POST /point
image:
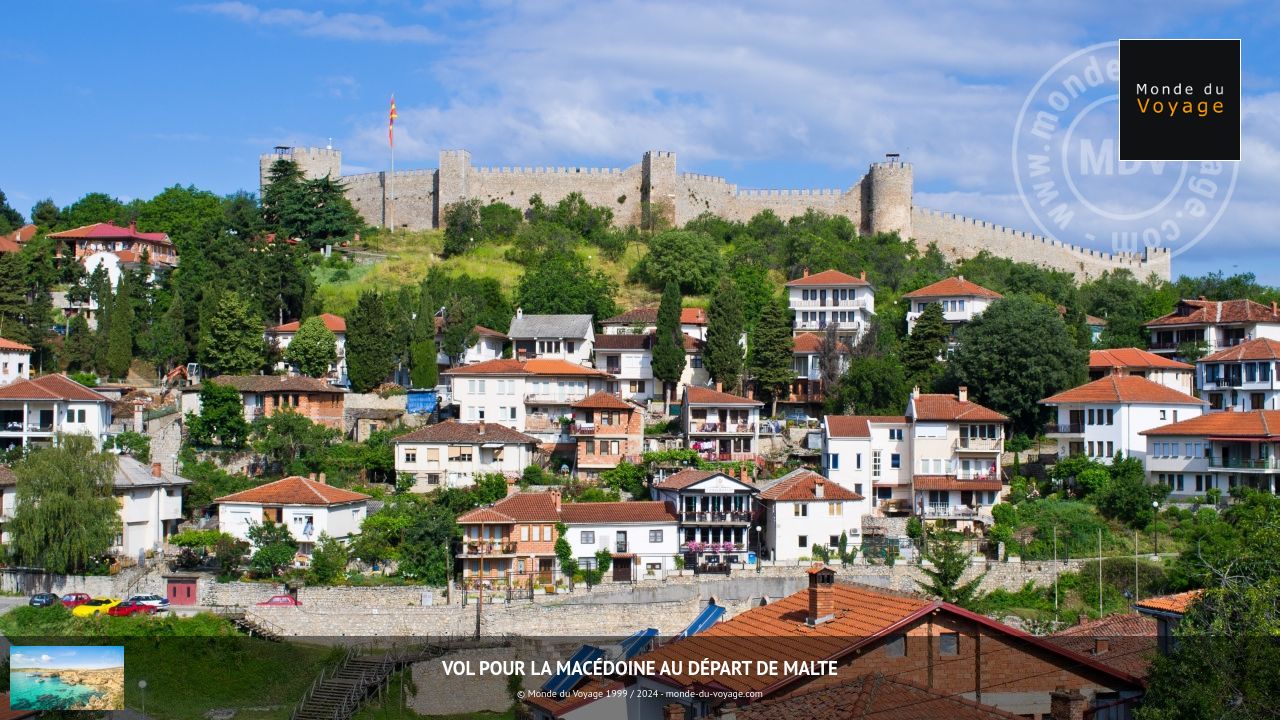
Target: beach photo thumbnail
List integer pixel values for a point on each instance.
(66, 677)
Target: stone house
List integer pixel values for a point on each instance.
(607, 431)
(264, 395)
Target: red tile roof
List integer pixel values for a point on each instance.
(452, 431)
(335, 323)
(953, 287)
(623, 341)
(859, 425)
(708, 396)
(828, 277)
(1257, 349)
(7, 245)
(536, 366)
(810, 343)
(14, 345)
(649, 316)
(951, 482)
(520, 507)
(691, 343)
(49, 387)
(294, 490)
(948, 407)
(687, 477)
(108, 230)
(276, 383)
(872, 696)
(605, 513)
(22, 234)
(602, 401)
(1251, 424)
(489, 332)
(802, 485)
(1132, 358)
(1122, 389)
(1177, 604)
(1204, 312)
(1130, 641)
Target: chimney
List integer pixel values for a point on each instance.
(751, 393)
(742, 474)
(719, 386)
(312, 477)
(960, 278)
(133, 226)
(963, 395)
(321, 479)
(1066, 704)
(806, 273)
(137, 416)
(822, 600)
(519, 312)
(480, 430)
(674, 711)
(156, 470)
(818, 490)
(1101, 645)
(555, 497)
(1275, 307)
(1202, 298)
(863, 276)
(915, 391)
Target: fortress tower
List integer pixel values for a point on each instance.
(313, 162)
(886, 201)
(658, 186)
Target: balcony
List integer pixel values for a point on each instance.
(728, 456)
(31, 427)
(555, 397)
(947, 511)
(488, 548)
(859, 304)
(542, 423)
(973, 444)
(846, 328)
(582, 429)
(731, 517)
(716, 428)
(1064, 429)
(1259, 464)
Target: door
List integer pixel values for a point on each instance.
(622, 569)
(135, 537)
(546, 569)
(181, 591)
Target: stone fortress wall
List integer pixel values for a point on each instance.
(880, 201)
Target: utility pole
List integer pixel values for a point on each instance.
(1055, 572)
(480, 584)
(1099, 572)
(1135, 567)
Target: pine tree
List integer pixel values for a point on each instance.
(231, 343)
(927, 342)
(13, 295)
(771, 357)
(168, 339)
(120, 336)
(424, 372)
(370, 347)
(668, 346)
(950, 559)
(314, 348)
(723, 352)
(77, 350)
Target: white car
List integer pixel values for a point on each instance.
(155, 601)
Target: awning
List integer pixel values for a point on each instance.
(493, 445)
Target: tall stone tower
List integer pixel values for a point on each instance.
(886, 202)
(658, 185)
(313, 162)
(453, 181)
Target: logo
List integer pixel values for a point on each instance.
(1067, 167)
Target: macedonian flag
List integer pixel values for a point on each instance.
(391, 123)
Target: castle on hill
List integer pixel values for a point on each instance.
(880, 201)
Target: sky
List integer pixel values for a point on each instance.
(79, 657)
(130, 96)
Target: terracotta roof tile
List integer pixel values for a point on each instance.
(951, 482)
(1205, 312)
(1122, 389)
(488, 332)
(452, 431)
(604, 513)
(828, 277)
(953, 287)
(1257, 349)
(649, 316)
(485, 515)
(685, 478)
(277, 383)
(1130, 641)
(872, 696)
(1178, 603)
(1251, 424)
(49, 387)
(603, 401)
(1132, 358)
(294, 490)
(22, 234)
(624, 341)
(809, 343)
(708, 396)
(108, 230)
(520, 507)
(692, 344)
(802, 485)
(553, 366)
(501, 366)
(847, 426)
(949, 407)
(6, 344)
(335, 323)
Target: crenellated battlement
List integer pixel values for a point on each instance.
(505, 170)
(769, 192)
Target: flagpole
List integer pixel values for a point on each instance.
(391, 137)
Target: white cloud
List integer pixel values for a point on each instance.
(339, 26)
(46, 658)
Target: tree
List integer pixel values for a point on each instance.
(185, 213)
(316, 210)
(286, 437)
(462, 229)
(275, 548)
(950, 559)
(424, 372)
(668, 345)
(722, 355)
(690, 259)
(771, 358)
(77, 348)
(10, 219)
(65, 515)
(1015, 353)
(328, 560)
(427, 550)
(872, 385)
(926, 343)
(370, 349)
(231, 343)
(560, 282)
(1127, 497)
(92, 208)
(221, 418)
(314, 348)
(120, 335)
(169, 340)
(564, 551)
(830, 353)
(46, 215)
(626, 477)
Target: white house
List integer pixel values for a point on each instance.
(150, 505)
(1242, 377)
(832, 297)
(8, 499)
(15, 361)
(1133, 361)
(719, 425)
(1218, 324)
(282, 335)
(1217, 450)
(1107, 416)
(802, 509)
(559, 337)
(308, 508)
(33, 412)
(628, 358)
(869, 455)
(488, 345)
(956, 451)
(452, 454)
(716, 511)
(962, 300)
(641, 536)
(644, 321)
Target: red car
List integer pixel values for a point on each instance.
(132, 607)
(281, 601)
(71, 600)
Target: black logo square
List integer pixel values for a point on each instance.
(1179, 100)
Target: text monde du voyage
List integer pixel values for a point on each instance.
(1179, 99)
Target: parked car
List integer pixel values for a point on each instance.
(281, 601)
(73, 600)
(132, 607)
(44, 600)
(95, 606)
(155, 601)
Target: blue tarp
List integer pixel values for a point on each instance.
(708, 617)
(637, 643)
(421, 402)
(561, 683)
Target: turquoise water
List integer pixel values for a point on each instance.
(28, 691)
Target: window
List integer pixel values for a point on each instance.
(835, 541)
(71, 416)
(1164, 414)
(895, 460)
(655, 536)
(1111, 448)
(524, 533)
(433, 479)
(411, 455)
(695, 361)
(949, 643)
(803, 541)
(1111, 416)
(896, 646)
(857, 487)
(895, 433)
(835, 508)
(875, 463)
(587, 563)
(835, 461)
(801, 510)
(546, 533)
(857, 461)
(588, 537)
(1091, 417)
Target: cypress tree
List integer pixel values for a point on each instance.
(723, 353)
(370, 346)
(120, 335)
(668, 346)
(927, 342)
(771, 357)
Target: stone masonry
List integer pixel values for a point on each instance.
(880, 201)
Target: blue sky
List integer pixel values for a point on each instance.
(80, 657)
(128, 97)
